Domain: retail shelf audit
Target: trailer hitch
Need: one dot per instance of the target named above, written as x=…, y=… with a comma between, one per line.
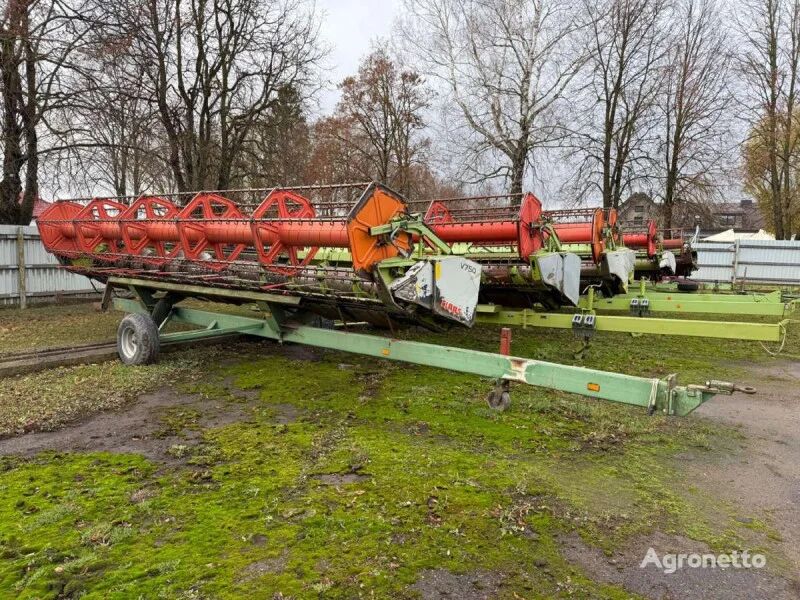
x=670, y=399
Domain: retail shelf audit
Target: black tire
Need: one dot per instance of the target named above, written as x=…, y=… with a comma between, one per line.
x=688, y=286
x=138, y=342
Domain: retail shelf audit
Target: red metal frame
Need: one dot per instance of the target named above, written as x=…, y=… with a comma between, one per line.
x=210, y=221
x=94, y=228
x=57, y=230
x=645, y=240
x=140, y=235
x=286, y=205
x=211, y=224
x=523, y=229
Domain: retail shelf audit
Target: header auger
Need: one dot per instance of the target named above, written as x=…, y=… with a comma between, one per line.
x=349, y=253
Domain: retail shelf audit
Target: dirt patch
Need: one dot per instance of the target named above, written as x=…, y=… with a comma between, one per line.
x=137, y=429
x=262, y=567
x=758, y=473
x=762, y=476
x=297, y=352
x=142, y=495
x=624, y=569
x=229, y=383
x=285, y=413
x=340, y=478
x=438, y=584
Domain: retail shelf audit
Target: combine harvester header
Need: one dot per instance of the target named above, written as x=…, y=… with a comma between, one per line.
x=210, y=240
x=264, y=251
x=490, y=226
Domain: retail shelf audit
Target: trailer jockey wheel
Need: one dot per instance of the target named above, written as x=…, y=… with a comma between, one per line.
x=137, y=340
x=500, y=398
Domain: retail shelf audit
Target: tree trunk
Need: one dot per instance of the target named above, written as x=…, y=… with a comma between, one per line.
x=608, y=201
x=13, y=160
x=672, y=178
x=669, y=192
x=518, y=162
x=772, y=120
x=29, y=122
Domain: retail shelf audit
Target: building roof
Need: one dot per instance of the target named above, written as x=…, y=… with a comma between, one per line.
x=729, y=235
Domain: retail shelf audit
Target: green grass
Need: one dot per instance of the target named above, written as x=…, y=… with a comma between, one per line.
x=47, y=400
x=432, y=478
x=54, y=326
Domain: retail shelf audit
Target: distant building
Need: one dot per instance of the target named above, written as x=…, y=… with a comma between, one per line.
x=638, y=209
x=743, y=216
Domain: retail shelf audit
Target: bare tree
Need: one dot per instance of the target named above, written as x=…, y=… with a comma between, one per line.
x=506, y=65
x=383, y=105
x=693, y=106
x=626, y=39
x=336, y=153
x=116, y=141
x=39, y=50
x=280, y=145
x=769, y=61
x=214, y=69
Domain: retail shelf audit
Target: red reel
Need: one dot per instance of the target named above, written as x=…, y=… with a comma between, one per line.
x=135, y=230
x=652, y=238
x=96, y=226
x=598, y=243
x=204, y=214
x=280, y=205
x=611, y=222
x=438, y=214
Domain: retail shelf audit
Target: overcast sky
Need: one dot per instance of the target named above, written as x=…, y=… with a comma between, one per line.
x=348, y=28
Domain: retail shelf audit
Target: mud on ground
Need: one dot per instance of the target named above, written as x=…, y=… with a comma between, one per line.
x=760, y=472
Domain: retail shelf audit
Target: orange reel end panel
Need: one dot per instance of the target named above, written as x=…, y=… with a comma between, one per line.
x=377, y=206
x=598, y=243
x=57, y=229
x=652, y=238
x=530, y=235
x=612, y=221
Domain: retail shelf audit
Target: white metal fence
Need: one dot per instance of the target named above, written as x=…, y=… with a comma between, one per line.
x=775, y=262
x=28, y=273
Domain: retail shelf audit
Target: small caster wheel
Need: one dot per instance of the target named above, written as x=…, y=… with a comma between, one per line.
x=499, y=398
x=137, y=340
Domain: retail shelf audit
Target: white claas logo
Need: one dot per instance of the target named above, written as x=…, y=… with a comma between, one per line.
x=450, y=307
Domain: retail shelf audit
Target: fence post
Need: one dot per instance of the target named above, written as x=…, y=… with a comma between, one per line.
x=21, y=275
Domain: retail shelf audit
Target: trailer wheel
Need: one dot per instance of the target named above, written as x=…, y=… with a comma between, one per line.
x=137, y=340
x=685, y=285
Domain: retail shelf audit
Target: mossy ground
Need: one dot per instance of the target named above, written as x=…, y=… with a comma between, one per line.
x=382, y=471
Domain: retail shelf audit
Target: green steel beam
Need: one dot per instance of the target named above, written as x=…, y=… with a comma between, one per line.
x=686, y=303
x=764, y=292
x=765, y=332
x=201, y=290
x=770, y=298
x=657, y=395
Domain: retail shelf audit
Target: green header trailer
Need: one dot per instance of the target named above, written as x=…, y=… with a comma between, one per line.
x=156, y=252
